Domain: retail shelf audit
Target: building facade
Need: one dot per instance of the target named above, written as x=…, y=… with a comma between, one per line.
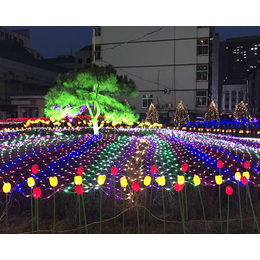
x=254, y=91
x=237, y=57
x=168, y=64
x=22, y=36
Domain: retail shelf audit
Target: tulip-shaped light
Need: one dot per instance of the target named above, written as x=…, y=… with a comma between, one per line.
x=218, y=179
x=247, y=175
x=30, y=182
x=80, y=170
x=181, y=180
x=78, y=180
x=37, y=192
x=123, y=182
x=229, y=190
x=237, y=176
x=160, y=181
x=147, y=180
x=6, y=187
x=135, y=186
x=196, y=180
x=101, y=179
x=53, y=181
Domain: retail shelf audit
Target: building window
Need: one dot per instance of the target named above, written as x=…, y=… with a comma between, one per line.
x=98, y=52
x=147, y=100
x=226, y=100
x=2, y=34
x=88, y=60
x=202, y=72
x=98, y=31
x=79, y=61
x=202, y=46
x=233, y=98
x=201, y=98
x=6, y=36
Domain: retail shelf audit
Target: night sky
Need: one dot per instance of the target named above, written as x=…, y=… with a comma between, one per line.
x=58, y=40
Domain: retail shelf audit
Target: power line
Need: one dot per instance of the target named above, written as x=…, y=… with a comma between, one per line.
x=131, y=41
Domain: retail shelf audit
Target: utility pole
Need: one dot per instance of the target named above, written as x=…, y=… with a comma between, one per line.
x=94, y=47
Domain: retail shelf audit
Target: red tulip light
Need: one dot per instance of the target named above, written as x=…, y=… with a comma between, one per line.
x=178, y=187
x=80, y=170
x=153, y=169
x=247, y=164
x=184, y=167
x=37, y=192
x=229, y=190
x=35, y=168
x=78, y=189
x=244, y=180
x=135, y=186
x=220, y=164
x=114, y=170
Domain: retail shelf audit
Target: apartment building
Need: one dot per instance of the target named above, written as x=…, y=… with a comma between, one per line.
x=238, y=56
x=167, y=63
x=22, y=36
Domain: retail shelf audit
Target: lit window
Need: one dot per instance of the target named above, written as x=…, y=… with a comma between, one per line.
x=252, y=49
x=201, y=98
x=227, y=48
x=202, y=46
x=255, y=53
x=237, y=59
x=147, y=100
x=202, y=72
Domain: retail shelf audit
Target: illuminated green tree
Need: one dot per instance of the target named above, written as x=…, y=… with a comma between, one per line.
x=91, y=89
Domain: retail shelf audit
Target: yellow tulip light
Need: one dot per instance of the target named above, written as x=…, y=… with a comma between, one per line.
x=218, y=179
x=160, y=181
x=180, y=180
x=196, y=180
x=101, y=179
x=53, y=181
x=147, y=180
x=237, y=176
x=247, y=175
x=30, y=182
x=6, y=187
x=78, y=180
x=123, y=182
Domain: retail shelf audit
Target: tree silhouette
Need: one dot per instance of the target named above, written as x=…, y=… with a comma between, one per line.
x=91, y=89
x=181, y=116
x=212, y=112
x=152, y=115
x=241, y=111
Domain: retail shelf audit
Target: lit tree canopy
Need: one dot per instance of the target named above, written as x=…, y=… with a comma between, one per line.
x=212, y=112
x=241, y=111
x=152, y=115
x=92, y=89
x=181, y=116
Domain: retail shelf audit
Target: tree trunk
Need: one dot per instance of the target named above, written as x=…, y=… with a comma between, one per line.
x=95, y=127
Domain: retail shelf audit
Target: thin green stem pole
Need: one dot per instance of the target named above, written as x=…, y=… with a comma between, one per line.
x=150, y=207
x=79, y=214
x=246, y=202
x=250, y=200
x=182, y=217
x=123, y=224
x=6, y=202
x=137, y=212
x=100, y=210
x=227, y=213
x=219, y=202
x=203, y=211
x=114, y=199
x=240, y=210
x=84, y=214
x=183, y=210
x=186, y=203
x=54, y=211
x=144, y=209
x=163, y=211
x=32, y=210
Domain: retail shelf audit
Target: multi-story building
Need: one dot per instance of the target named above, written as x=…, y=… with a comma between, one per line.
x=24, y=81
x=22, y=36
x=84, y=56
x=168, y=64
x=254, y=90
x=237, y=57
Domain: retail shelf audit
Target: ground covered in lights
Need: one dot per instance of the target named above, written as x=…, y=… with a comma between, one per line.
x=60, y=153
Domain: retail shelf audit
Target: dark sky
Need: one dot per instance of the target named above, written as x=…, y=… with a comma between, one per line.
x=57, y=40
